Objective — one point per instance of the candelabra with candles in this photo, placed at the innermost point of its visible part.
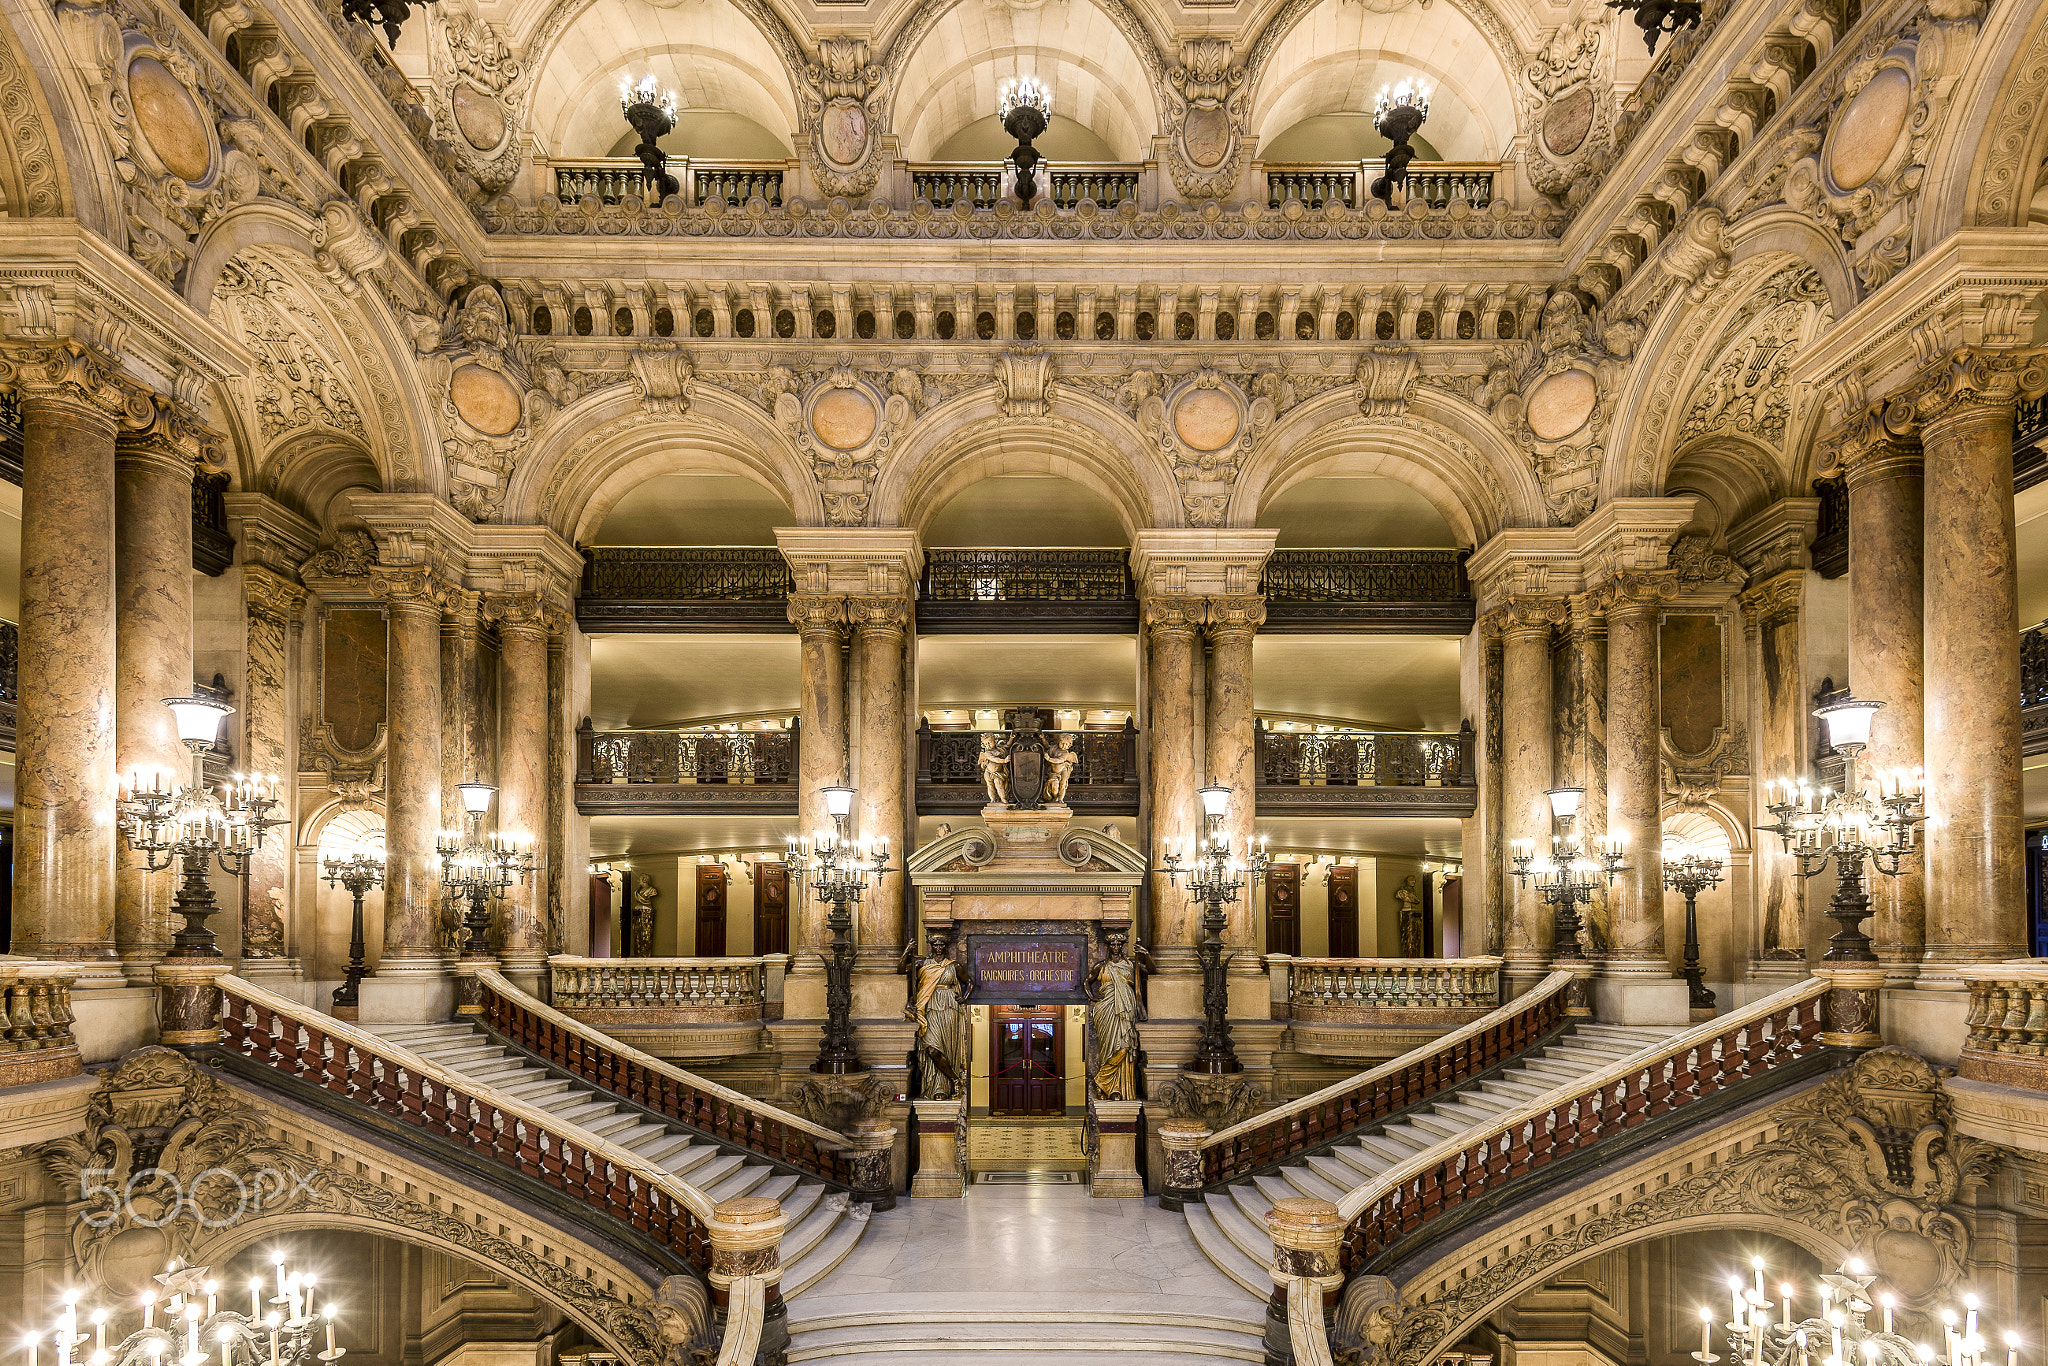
(1876, 824)
(1841, 1335)
(1024, 104)
(359, 870)
(1215, 877)
(476, 866)
(838, 871)
(652, 114)
(281, 1335)
(1398, 114)
(1689, 870)
(1566, 878)
(190, 825)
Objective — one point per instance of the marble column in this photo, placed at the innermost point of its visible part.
(274, 604)
(153, 461)
(65, 784)
(1527, 774)
(523, 741)
(1886, 649)
(1589, 681)
(1173, 771)
(881, 811)
(1233, 749)
(413, 899)
(461, 760)
(820, 620)
(1770, 618)
(1975, 858)
(1634, 783)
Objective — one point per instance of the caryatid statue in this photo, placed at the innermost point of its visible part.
(938, 1008)
(1114, 1010)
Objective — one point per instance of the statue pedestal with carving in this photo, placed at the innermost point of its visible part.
(938, 1149)
(1114, 1172)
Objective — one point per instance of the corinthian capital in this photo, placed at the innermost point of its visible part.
(1238, 612)
(413, 586)
(71, 372)
(879, 614)
(517, 613)
(271, 596)
(817, 612)
(1523, 613)
(1633, 590)
(154, 427)
(1774, 600)
(1871, 439)
(1172, 614)
(1967, 379)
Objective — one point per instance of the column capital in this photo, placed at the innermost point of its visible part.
(1774, 600)
(72, 372)
(1632, 590)
(1881, 436)
(886, 614)
(517, 614)
(815, 613)
(1778, 538)
(462, 612)
(1238, 612)
(1522, 614)
(1172, 614)
(1587, 619)
(413, 587)
(271, 596)
(1971, 378)
(160, 430)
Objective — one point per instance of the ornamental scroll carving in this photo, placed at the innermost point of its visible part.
(1205, 117)
(187, 1165)
(844, 421)
(477, 83)
(1870, 1159)
(1571, 107)
(845, 95)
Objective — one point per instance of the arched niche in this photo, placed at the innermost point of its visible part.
(1733, 479)
(310, 475)
(1023, 510)
(694, 509)
(336, 831)
(1355, 510)
(951, 79)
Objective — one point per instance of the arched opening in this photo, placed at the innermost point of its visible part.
(694, 509)
(1024, 510)
(1356, 511)
(349, 832)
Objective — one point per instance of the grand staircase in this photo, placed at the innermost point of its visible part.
(1019, 1337)
(1230, 1223)
(823, 1225)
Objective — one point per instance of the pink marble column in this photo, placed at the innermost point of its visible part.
(1233, 748)
(1975, 858)
(1634, 785)
(523, 742)
(1527, 773)
(414, 903)
(274, 603)
(153, 461)
(1173, 771)
(1770, 614)
(462, 760)
(1589, 680)
(65, 784)
(1887, 646)
(880, 627)
(821, 754)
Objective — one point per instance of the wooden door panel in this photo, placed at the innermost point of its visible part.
(771, 908)
(1026, 1077)
(1343, 911)
(711, 895)
(1283, 909)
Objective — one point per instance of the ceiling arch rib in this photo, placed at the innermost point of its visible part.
(952, 78)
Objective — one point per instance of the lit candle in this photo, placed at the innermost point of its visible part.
(1735, 1319)
(271, 1320)
(30, 1343)
(1706, 1323)
(255, 1298)
(149, 1309)
(211, 1287)
(1785, 1298)
(99, 1329)
(227, 1337)
(330, 1331)
(192, 1331)
(1970, 1318)
(2012, 1350)
(1885, 1301)
(1835, 1321)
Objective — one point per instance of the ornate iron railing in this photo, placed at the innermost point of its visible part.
(1694, 1066)
(727, 758)
(711, 573)
(380, 1076)
(2034, 689)
(1436, 1067)
(1107, 758)
(1012, 574)
(1357, 759)
(1387, 990)
(1366, 576)
(691, 1101)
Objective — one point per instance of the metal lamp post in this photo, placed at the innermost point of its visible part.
(191, 825)
(1566, 878)
(1215, 878)
(1877, 824)
(1689, 871)
(1398, 114)
(1025, 107)
(652, 114)
(359, 870)
(476, 866)
(838, 872)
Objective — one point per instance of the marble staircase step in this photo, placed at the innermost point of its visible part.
(847, 1224)
(1252, 1274)
(1246, 1230)
(1004, 1336)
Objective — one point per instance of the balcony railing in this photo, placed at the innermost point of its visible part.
(1360, 772)
(1388, 991)
(612, 179)
(608, 992)
(978, 186)
(1364, 589)
(670, 588)
(1436, 183)
(2007, 1026)
(1008, 588)
(36, 1043)
(1104, 779)
(2034, 689)
(982, 185)
(648, 771)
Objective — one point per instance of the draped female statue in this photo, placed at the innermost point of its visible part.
(938, 1007)
(1114, 1011)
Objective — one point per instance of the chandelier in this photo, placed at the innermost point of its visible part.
(1398, 114)
(838, 871)
(190, 825)
(1024, 104)
(652, 115)
(389, 15)
(476, 866)
(1215, 877)
(196, 1327)
(1658, 17)
(1877, 824)
(1566, 878)
(1841, 1334)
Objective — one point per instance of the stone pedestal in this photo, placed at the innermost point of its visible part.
(938, 1149)
(1181, 1140)
(746, 1240)
(1115, 1170)
(188, 1001)
(1930, 1023)
(1308, 1236)
(873, 1142)
(1650, 999)
(1849, 1015)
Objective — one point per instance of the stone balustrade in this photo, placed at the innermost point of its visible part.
(667, 991)
(2006, 1031)
(36, 1043)
(1436, 991)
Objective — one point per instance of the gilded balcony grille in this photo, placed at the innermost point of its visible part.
(1358, 759)
(1027, 575)
(1109, 759)
(723, 573)
(687, 758)
(1366, 576)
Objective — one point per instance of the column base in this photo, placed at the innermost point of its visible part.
(409, 997)
(938, 1150)
(1641, 1000)
(1115, 1173)
(1932, 1023)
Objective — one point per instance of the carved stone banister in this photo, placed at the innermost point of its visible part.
(659, 991)
(722, 1113)
(745, 1317)
(1435, 1067)
(1687, 1068)
(2007, 1024)
(360, 1068)
(36, 1043)
(1447, 991)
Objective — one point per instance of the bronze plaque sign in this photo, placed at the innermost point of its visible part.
(1017, 969)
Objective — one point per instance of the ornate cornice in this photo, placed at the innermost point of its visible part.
(1969, 381)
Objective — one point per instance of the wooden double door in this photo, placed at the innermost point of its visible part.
(1027, 1051)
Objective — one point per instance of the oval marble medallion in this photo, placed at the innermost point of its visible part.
(1567, 121)
(1561, 404)
(843, 419)
(1870, 128)
(1205, 134)
(485, 399)
(480, 118)
(1206, 420)
(844, 130)
(169, 117)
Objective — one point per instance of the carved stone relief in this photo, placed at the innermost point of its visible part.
(843, 420)
(1570, 105)
(1744, 385)
(477, 82)
(844, 95)
(1205, 109)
